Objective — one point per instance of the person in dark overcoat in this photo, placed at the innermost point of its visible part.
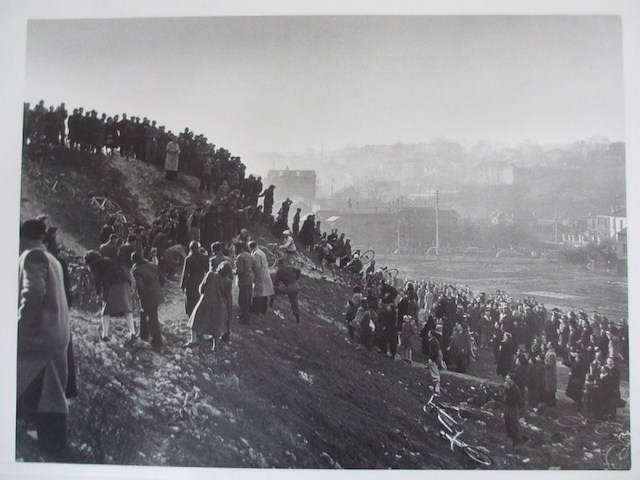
(506, 354)
(306, 232)
(268, 199)
(114, 287)
(579, 369)
(244, 271)
(513, 402)
(535, 379)
(149, 282)
(212, 313)
(195, 268)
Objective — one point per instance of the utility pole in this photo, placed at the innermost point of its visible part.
(437, 222)
(398, 226)
(555, 223)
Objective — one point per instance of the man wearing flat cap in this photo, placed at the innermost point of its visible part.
(43, 338)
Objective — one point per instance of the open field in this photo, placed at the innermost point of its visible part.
(555, 284)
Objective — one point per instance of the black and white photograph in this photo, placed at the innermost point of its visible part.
(321, 240)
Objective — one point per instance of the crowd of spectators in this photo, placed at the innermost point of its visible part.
(210, 242)
(524, 339)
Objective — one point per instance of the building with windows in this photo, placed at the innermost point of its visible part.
(603, 228)
(298, 185)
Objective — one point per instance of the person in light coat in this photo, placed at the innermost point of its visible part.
(172, 159)
(262, 283)
(43, 338)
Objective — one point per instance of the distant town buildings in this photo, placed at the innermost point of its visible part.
(296, 184)
(495, 173)
(602, 228)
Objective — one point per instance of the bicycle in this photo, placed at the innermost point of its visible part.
(82, 289)
(616, 453)
(367, 257)
(390, 274)
(274, 254)
(474, 344)
(45, 187)
(602, 427)
(463, 410)
(101, 205)
(451, 431)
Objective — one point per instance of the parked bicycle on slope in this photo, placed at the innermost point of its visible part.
(451, 430)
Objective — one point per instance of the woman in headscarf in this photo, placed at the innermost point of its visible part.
(212, 313)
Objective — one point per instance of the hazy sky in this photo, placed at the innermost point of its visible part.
(292, 83)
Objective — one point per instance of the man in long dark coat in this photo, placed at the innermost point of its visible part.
(149, 283)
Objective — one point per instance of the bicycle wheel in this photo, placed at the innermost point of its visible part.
(618, 457)
(42, 188)
(392, 272)
(474, 348)
(367, 256)
(66, 189)
(569, 422)
(609, 428)
(478, 456)
(110, 206)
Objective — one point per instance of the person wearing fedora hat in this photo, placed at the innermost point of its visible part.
(43, 338)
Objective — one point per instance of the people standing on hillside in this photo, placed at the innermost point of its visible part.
(506, 353)
(407, 335)
(195, 268)
(460, 348)
(306, 232)
(262, 286)
(217, 250)
(174, 257)
(513, 402)
(575, 384)
(114, 288)
(171, 160)
(110, 249)
(296, 223)
(550, 375)
(43, 339)
(149, 282)
(286, 283)
(435, 361)
(212, 315)
(365, 325)
(268, 199)
(535, 382)
(244, 272)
